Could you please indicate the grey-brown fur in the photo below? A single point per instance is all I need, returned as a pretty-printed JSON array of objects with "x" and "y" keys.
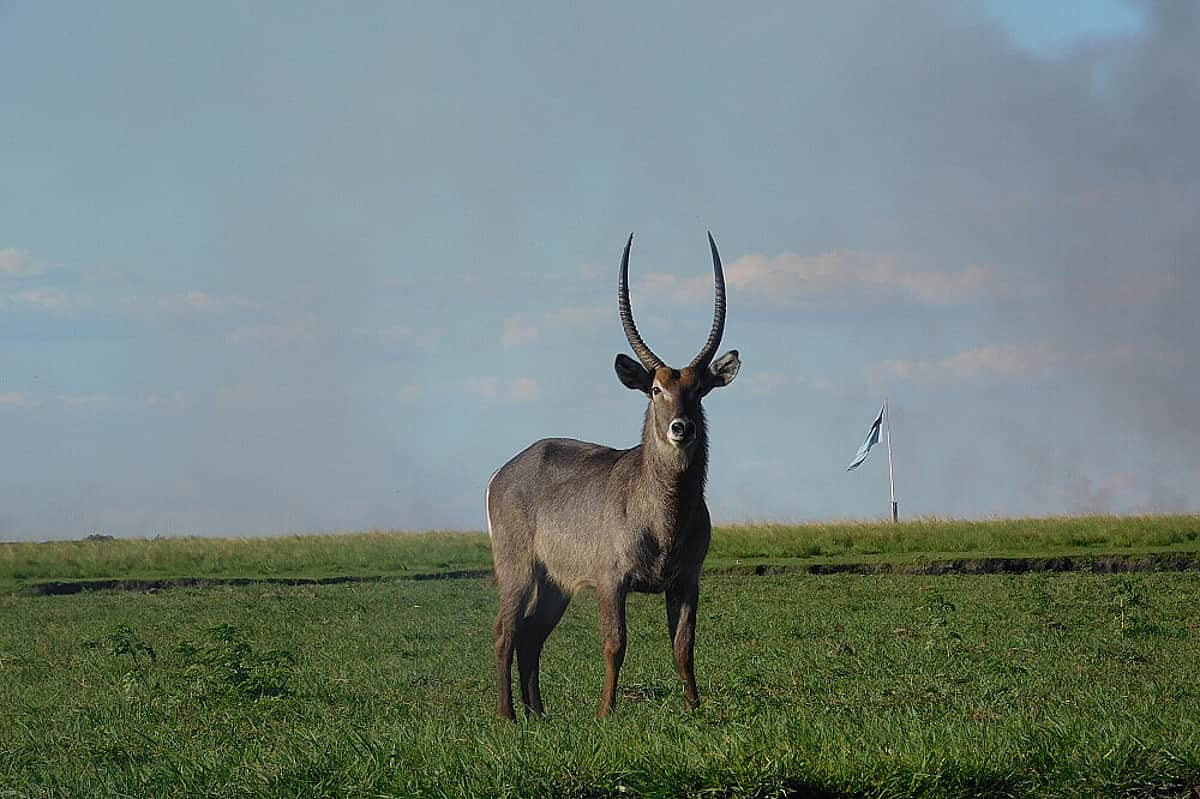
[{"x": 566, "y": 515}]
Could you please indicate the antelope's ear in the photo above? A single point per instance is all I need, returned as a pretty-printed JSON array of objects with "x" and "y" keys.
[
  {"x": 633, "y": 374},
  {"x": 722, "y": 371}
]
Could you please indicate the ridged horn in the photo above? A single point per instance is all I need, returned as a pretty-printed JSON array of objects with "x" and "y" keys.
[
  {"x": 705, "y": 357},
  {"x": 644, "y": 354}
]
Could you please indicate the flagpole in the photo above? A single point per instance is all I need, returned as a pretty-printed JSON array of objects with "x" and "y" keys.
[{"x": 891, "y": 479}]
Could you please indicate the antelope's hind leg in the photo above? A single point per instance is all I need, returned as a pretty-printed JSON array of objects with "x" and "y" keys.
[
  {"x": 512, "y": 604},
  {"x": 517, "y": 584},
  {"x": 547, "y": 609}
]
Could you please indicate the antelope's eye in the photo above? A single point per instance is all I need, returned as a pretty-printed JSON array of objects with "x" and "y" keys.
[{"x": 656, "y": 391}]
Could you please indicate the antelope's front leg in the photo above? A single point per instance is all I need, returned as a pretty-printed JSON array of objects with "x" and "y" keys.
[
  {"x": 612, "y": 631},
  {"x": 681, "y": 621}
]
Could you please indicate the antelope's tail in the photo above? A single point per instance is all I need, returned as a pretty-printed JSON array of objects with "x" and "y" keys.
[{"x": 487, "y": 509}]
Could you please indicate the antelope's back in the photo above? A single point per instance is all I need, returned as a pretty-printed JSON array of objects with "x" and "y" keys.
[{"x": 555, "y": 496}]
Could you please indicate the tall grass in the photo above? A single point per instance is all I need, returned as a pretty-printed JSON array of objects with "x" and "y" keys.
[
  {"x": 1055, "y": 535},
  {"x": 390, "y": 553},
  {"x": 371, "y": 553}
]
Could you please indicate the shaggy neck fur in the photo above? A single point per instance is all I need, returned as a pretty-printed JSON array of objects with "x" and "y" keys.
[{"x": 673, "y": 478}]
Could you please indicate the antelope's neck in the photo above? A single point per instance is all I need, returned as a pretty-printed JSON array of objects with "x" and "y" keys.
[{"x": 673, "y": 486}]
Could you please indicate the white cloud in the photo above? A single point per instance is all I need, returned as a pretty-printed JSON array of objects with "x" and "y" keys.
[
  {"x": 525, "y": 389},
  {"x": 937, "y": 288},
  {"x": 19, "y": 263},
  {"x": 791, "y": 277},
  {"x": 249, "y": 396},
  {"x": 410, "y": 392},
  {"x": 767, "y": 382},
  {"x": 518, "y": 330},
  {"x": 87, "y": 402},
  {"x": 1000, "y": 361},
  {"x": 579, "y": 316},
  {"x": 49, "y": 299},
  {"x": 45, "y": 299},
  {"x": 202, "y": 302},
  {"x": 301, "y": 329},
  {"x": 15, "y": 399},
  {"x": 676, "y": 289},
  {"x": 522, "y": 328},
  {"x": 488, "y": 387},
  {"x": 1016, "y": 361},
  {"x": 419, "y": 337},
  {"x": 174, "y": 401},
  {"x": 521, "y": 389}
]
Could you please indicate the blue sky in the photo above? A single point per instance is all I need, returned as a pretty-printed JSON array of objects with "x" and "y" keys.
[{"x": 284, "y": 268}]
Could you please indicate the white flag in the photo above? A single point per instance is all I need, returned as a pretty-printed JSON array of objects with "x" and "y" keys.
[{"x": 872, "y": 440}]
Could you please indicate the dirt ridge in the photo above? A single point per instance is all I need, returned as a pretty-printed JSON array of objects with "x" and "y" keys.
[
  {"x": 1097, "y": 564},
  {"x": 152, "y": 585}
]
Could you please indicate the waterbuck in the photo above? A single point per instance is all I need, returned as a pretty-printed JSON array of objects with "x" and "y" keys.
[{"x": 565, "y": 515}]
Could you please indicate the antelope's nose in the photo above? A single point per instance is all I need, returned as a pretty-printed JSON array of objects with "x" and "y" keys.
[{"x": 681, "y": 429}]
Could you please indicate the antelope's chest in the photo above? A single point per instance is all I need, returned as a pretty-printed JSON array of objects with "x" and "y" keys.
[{"x": 656, "y": 562}]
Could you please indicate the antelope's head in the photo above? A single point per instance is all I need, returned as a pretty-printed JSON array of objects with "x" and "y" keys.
[{"x": 675, "y": 419}]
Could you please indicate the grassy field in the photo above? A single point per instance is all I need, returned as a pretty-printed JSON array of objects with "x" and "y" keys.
[
  {"x": 400, "y": 554},
  {"x": 1076, "y": 684}
]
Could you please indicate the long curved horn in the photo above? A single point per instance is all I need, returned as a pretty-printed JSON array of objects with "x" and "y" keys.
[
  {"x": 648, "y": 358},
  {"x": 705, "y": 357}
]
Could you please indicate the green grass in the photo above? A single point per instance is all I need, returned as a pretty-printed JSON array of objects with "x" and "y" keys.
[
  {"x": 397, "y": 554},
  {"x": 1073, "y": 685},
  {"x": 952, "y": 538},
  {"x": 356, "y": 554},
  {"x": 884, "y": 685}
]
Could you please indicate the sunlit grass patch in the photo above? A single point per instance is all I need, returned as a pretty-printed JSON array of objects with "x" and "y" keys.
[{"x": 893, "y": 685}]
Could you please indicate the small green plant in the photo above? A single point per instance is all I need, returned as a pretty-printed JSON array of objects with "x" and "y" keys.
[
  {"x": 1128, "y": 605},
  {"x": 123, "y": 641},
  {"x": 940, "y": 613},
  {"x": 224, "y": 663}
]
